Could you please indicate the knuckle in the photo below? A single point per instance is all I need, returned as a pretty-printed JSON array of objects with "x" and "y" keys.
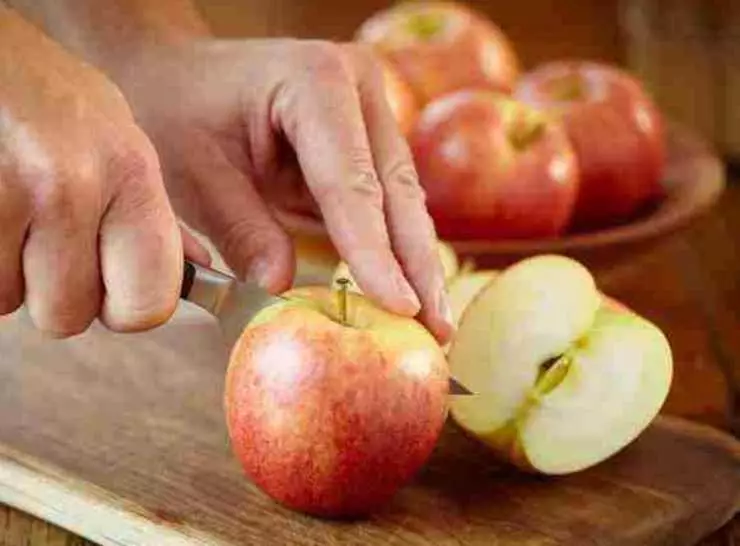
[
  {"x": 325, "y": 61},
  {"x": 60, "y": 198},
  {"x": 367, "y": 58},
  {"x": 246, "y": 238},
  {"x": 402, "y": 180},
  {"x": 135, "y": 166}
]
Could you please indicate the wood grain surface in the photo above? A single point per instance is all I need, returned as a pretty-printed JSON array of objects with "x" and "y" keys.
[{"x": 121, "y": 439}]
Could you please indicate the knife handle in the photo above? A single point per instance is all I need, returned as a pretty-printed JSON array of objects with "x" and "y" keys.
[{"x": 205, "y": 287}]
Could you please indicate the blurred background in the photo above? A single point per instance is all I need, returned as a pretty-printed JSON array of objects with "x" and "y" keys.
[{"x": 687, "y": 52}]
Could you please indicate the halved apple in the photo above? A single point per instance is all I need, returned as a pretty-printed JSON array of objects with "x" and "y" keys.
[
  {"x": 447, "y": 256},
  {"x": 565, "y": 379},
  {"x": 463, "y": 288}
]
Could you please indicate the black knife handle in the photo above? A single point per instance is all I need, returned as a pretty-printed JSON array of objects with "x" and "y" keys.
[{"x": 205, "y": 287}]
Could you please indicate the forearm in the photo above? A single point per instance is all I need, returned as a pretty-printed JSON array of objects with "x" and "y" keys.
[{"x": 102, "y": 31}]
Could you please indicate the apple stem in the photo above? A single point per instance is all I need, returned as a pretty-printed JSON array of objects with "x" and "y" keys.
[
  {"x": 468, "y": 266},
  {"x": 342, "y": 298}
]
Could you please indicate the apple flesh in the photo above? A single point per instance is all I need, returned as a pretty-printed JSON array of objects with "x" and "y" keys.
[
  {"x": 463, "y": 289},
  {"x": 615, "y": 129},
  {"x": 565, "y": 381},
  {"x": 440, "y": 47},
  {"x": 493, "y": 168},
  {"x": 330, "y": 413}
]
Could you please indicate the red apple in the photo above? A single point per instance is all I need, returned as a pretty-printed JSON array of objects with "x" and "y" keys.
[
  {"x": 400, "y": 98},
  {"x": 439, "y": 47},
  {"x": 616, "y": 131},
  {"x": 330, "y": 417},
  {"x": 493, "y": 168}
]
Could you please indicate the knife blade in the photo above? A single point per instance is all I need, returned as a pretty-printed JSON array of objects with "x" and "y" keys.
[{"x": 234, "y": 303}]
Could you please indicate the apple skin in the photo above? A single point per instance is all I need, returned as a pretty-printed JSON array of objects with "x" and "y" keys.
[
  {"x": 617, "y": 133},
  {"x": 331, "y": 420},
  {"x": 400, "y": 98},
  {"x": 465, "y": 50},
  {"x": 483, "y": 179}
]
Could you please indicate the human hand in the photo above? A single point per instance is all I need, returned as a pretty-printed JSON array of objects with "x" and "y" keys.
[
  {"x": 86, "y": 229},
  {"x": 244, "y": 126}
]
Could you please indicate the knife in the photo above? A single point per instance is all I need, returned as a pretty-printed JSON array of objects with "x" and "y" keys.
[{"x": 234, "y": 303}]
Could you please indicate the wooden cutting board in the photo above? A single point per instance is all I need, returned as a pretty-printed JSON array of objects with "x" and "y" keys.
[{"x": 121, "y": 439}]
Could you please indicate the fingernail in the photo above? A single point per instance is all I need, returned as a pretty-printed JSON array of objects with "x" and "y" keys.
[
  {"x": 408, "y": 294},
  {"x": 259, "y": 271},
  {"x": 443, "y": 307}
]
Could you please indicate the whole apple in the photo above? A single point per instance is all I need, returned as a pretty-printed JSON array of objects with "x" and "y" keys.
[
  {"x": 493, "y": 168},
  {"x": 332, "y": 404},
  {"x": 439, "y": 47},
  {"x": 566, "y": 377},
  {"x": 616, "y": 131}
]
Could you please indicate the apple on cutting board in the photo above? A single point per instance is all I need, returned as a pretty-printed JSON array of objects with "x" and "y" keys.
[
  {"x": 565, "y": 376},
  {"x": 332, "y": 403},
  {"x": 440, "y": 47},
  {"x": 616, "y": 132},
  {"x": 492, "y": 167}
]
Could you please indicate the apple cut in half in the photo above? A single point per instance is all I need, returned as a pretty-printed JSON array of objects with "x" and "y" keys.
[
  {"x": 565, "y": 378},
  {"x": 462, "y": 289}
]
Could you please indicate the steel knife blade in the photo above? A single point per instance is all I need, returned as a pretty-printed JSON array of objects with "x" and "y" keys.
[{"x": 234, "y": 303}]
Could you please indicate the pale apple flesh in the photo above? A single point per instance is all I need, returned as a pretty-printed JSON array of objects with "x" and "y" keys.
[
  {"x": 566, "y": 379},
  {"x": 462, "y": 289},
  {"x": 330, "y": 415}
]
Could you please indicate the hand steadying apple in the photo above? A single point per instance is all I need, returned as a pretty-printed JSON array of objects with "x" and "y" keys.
[{"x": 241, "y": 126}]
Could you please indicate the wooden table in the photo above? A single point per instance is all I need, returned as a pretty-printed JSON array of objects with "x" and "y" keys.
[{"x": 690, "y": 285}]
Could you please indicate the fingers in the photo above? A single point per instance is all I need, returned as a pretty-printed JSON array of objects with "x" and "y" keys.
[
  {"x": 321, "y": 116},
  {"x": 60, "y": 259},
  {"x": 15, "y": 213},
  {"x": 409, "y": 224},
  {"x": 141, "y": 256},
  {"x": 238, "y": 221},
  {"x": 193, "y": 249}
]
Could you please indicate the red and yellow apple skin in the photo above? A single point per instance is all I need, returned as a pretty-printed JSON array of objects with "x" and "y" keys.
[
  {"x": 493, "y": 168},
  {"x": 440, "y": 47},
  {"x": 616, "y": 131},
  {"x": 332, "y": 419}
]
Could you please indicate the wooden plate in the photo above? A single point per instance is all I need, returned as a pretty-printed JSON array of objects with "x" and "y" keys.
[{"x": 694, "y": 180}]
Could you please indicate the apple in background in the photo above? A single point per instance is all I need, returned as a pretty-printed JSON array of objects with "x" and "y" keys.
[
  {"x": 615, "y": 129},
  {"x": 493, "y": 168},
  {"x": 447, "y": 256},
  {"x": 330, "y": 412},
  {"x": 439, "y": 47},
  {"x": 564, "y": 381},
  {"x": 400, "y": 98}
]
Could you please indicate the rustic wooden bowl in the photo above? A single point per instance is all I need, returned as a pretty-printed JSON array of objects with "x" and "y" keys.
[{"x": 694, "y": 180}]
